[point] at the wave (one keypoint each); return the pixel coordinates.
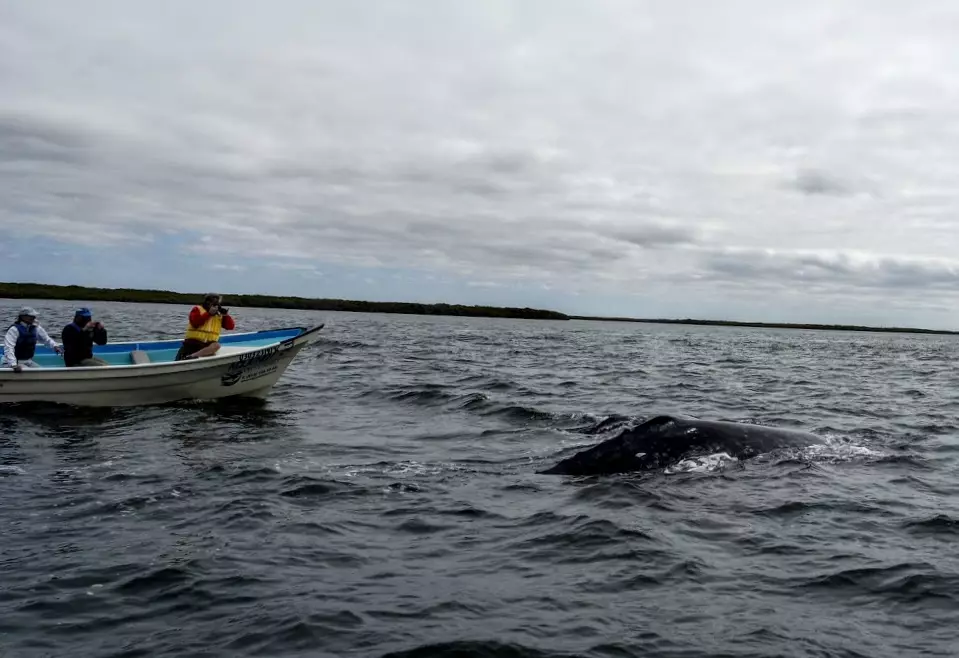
(466, 512)
(604, 425)
(904, 582)
(914, 462)
(243, 513)
(313, 490)
(521, 414)
(445, 608)
(799, 508)
(420, 526)
(138, 478)
(87, 506)
(157, 582)
(428, 397)
(940, 525)
(581, 539)
(473, 649)
(243, 475)
(352, 344)
(483, 402)
(293, 633)
(616, 493)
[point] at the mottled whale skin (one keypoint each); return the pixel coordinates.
(666, 440)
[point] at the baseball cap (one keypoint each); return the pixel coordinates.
(26, 310)
(84, 312)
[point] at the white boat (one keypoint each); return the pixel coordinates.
(143, 373)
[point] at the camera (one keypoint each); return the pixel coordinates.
(223, 310)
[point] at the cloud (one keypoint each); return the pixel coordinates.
(655, 235)
(836, 270)
(615, 147)
(23, 140)
(817, 182)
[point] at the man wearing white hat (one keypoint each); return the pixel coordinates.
(20, 342)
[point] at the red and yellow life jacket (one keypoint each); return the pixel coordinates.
(208, 332)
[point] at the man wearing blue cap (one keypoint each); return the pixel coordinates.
(20, 341)
(78, 339)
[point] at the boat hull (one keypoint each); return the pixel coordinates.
(240, 373)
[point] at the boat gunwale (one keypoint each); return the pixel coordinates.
(225, 339)
(184, 365)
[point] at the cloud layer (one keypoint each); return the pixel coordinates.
(740, 152)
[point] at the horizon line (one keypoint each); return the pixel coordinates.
(46, 291)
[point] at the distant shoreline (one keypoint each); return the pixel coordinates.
(134, 295)
(771, 325)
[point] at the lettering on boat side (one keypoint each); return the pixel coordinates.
(229, 379)
(250, 366)
(250, 359)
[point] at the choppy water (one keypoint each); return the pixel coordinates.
(385, 502)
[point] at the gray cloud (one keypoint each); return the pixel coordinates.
(817, 182)
(833, 270)
(615, 147)
(23, 140)
(651, 235)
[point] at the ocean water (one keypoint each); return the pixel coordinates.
(385, 501)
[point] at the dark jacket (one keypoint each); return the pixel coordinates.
(78, 343)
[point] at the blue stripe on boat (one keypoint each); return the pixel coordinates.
(165, 350)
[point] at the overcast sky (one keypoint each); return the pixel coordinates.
(733, 160)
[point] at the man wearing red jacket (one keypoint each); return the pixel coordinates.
(203, 329)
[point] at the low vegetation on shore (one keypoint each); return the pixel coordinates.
(770, 325)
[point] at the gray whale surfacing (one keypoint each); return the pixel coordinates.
(665, 440)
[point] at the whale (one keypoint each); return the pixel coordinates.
(666, 439)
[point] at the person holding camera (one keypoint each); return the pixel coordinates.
(78, 339)
(203, 328)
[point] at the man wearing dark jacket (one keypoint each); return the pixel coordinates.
(78, 339)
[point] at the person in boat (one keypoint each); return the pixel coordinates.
(20, 341)
(78, 339)
(203, 328)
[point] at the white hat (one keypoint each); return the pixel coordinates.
(26, 310)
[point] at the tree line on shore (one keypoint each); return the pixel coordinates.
(132, 295)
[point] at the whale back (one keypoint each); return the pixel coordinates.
(665, 440)
(633, 449)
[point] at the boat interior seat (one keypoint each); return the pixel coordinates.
(139, 357)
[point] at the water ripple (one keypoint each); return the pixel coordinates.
(385, 500)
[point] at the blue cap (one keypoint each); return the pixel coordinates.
(84, 313)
